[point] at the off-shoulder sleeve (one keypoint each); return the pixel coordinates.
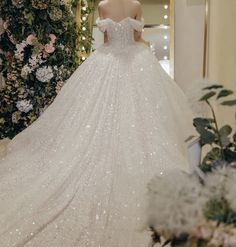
(101, 24)
(137, 24)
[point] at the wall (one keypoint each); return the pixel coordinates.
(222, 50)
(189, 41)
(153, 11)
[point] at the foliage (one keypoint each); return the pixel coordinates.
(216, 226)
(221, 139)
(219, 210)
(37, 54)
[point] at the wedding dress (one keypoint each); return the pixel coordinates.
(77, 177)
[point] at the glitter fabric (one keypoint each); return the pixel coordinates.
(77, 176)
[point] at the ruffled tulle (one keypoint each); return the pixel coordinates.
(136, 24)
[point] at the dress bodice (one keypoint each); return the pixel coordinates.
(121, 33)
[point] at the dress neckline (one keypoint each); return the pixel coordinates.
(118, 22)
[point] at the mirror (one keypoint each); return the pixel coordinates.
(157, 15)
(158, 30)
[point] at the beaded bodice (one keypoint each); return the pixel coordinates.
(121, 33)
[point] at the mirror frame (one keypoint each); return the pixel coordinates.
(206, 39)
(172, 37)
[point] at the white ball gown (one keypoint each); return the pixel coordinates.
(77, 177)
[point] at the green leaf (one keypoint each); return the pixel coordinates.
(206, 136)
(224, 93)
(226, 130)
(225, 141)
(203, 121)
(217, 209)
(229, 102)
(42, 15)
(230, 155)
(208, 96)
(213, 155)
(213, 87)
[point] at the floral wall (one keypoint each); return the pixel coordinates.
(38, 41)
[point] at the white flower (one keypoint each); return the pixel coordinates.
(222, 182)
(20, 47)
(33, 61)
(176, 200)
(19, 53)
(24, 106)
(44, 74)
(25, 71)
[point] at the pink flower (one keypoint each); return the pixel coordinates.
(53, 38)
(49, 48)
(206, 232)
(218, 237)
(45, 54)
(31, 39)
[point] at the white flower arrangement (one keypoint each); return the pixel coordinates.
(25, 71)
(19, 52)
(178, 203)
(44, 74)
(24, 106)
(29, 53)
(175, 202)
(33, 61)
(222, 182)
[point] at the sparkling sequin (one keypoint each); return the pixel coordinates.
(78, 176)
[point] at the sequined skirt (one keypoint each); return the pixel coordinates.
(78, 176)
